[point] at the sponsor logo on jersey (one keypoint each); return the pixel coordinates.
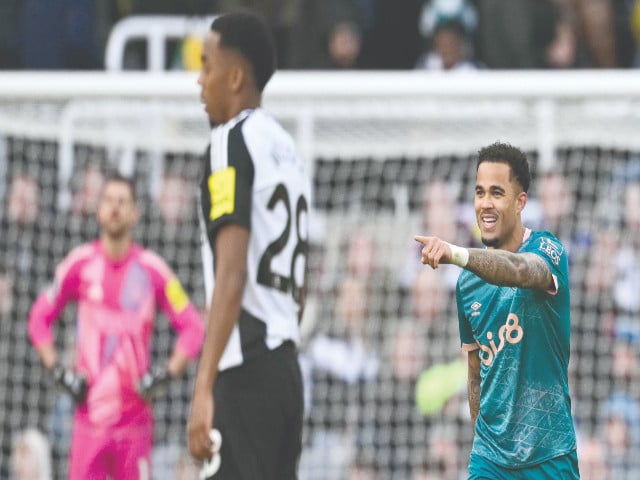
(222, 189)
(509, 333)
(551, 250)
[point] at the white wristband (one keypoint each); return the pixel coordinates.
(459, 255)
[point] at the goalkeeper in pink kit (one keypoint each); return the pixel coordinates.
(118, 287)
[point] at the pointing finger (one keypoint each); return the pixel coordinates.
(420, 239)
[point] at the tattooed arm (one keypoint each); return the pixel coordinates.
(500, 267)
(473, 385)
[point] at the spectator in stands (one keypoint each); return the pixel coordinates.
(448, 28)
(393, 429)
(625, 356)
(361, 255)
(364, 263)
(620, 425)
(23, 200)
(627, 260)
(439, 207)
(341, 360)
(329, 34)
(591, 458)
(86, 191)
(31, 456)
(175, 200)
(344, 46)
(79, 223)
(516, 34)
(556, 198)
(439, 215)
(6, 294)
(360, 471)
(601, 32)
(172, 225)
(442, 455)
(401, 427)
(600, 276)
(562, 51)
(21, 223)
(450, 50)
(429, 298)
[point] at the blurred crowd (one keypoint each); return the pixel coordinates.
(385, 376)
(345, 34)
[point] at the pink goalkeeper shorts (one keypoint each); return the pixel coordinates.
(120, 452)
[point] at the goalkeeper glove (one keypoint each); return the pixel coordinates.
(153, 383)
(74, 383)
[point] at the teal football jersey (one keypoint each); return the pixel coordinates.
(523, 336)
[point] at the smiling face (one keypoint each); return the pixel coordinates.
(499, 200)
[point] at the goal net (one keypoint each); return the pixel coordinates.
(391, 155)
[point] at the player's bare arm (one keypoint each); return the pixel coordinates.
(177, 363)
(48, 355)
(499, 267)
(231, 270)
(473, 385)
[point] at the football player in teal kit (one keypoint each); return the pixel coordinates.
(513, 311)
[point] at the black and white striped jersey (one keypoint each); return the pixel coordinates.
(255, 177)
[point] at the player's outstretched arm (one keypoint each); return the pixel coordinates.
(499, 267)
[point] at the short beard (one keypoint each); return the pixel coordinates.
(490, 243)
(116, 234)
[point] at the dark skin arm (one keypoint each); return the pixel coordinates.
(231, 270)
(473, 385)
(498, 267)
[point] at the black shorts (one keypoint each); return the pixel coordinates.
(258, 410)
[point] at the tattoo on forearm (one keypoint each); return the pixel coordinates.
(473, 387)
(500, 267)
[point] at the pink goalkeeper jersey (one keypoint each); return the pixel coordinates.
(117, 303)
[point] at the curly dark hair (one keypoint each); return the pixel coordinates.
(514, 157)
(249, 35)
